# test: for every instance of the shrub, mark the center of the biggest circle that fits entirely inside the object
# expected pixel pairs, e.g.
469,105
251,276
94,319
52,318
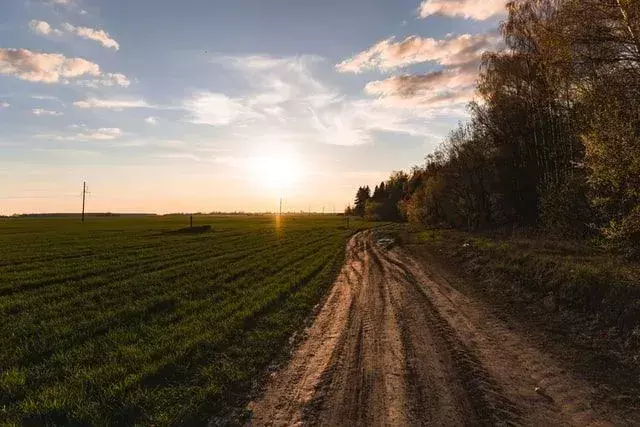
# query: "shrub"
565,209
624,235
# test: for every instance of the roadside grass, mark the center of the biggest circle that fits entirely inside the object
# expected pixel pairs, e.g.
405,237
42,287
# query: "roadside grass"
574,291
581,275
120,321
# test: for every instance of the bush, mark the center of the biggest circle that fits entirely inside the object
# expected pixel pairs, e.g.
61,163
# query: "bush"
565,209
624,235
372,211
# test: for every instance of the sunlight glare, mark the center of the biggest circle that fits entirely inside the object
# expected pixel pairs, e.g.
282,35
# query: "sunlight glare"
276,172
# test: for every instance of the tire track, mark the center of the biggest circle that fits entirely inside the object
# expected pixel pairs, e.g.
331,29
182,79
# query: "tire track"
395,346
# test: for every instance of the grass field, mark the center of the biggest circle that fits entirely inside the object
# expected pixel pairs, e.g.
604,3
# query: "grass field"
121,320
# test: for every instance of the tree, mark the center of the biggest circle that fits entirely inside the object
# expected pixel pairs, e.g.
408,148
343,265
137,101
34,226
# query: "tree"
362,196
371,210
554,142
605,39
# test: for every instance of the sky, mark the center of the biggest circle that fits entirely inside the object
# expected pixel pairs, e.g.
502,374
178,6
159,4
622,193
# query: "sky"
199,106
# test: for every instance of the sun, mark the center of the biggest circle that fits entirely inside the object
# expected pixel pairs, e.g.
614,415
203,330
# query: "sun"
278,172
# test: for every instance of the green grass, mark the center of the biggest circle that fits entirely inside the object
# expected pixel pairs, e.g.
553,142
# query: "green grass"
121,321
581,275
585,295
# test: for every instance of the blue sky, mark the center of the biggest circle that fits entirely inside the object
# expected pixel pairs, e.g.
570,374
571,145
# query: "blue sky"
167,106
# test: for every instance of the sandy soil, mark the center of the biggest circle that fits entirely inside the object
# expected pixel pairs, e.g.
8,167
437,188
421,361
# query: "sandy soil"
397,344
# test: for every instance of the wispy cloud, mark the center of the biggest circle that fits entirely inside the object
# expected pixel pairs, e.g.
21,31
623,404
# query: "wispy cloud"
49,67
287,102
69,4
44,97
113,104
100,134
106,80
4,104
43,27
468,9
216,109
151,120
389,54
445,90
440,89
411,84
94,34
43,112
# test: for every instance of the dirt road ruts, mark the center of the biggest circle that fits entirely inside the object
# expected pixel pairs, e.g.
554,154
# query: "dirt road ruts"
396,344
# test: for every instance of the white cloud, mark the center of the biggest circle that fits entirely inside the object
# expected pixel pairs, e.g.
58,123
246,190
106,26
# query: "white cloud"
44,97
407,85
98,35
277,81
44,67
356,122
388,54
151,120
435,102
5,104
100,134
468,9
95,34
43,27
106,80
216,109
55,68
445,88
113,104
288,103
43,112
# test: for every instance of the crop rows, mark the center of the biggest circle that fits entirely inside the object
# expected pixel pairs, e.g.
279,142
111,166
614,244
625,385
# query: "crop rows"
122,321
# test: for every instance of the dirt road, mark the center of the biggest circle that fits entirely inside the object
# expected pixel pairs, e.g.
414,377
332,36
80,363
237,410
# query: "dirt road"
396,344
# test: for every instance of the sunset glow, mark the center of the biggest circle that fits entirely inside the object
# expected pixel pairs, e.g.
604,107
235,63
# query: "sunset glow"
277,173
212,107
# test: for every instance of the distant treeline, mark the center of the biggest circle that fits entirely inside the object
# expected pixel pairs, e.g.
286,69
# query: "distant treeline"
111,214
553,141
68,215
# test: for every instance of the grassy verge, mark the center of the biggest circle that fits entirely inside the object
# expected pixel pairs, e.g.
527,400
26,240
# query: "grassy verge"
582,300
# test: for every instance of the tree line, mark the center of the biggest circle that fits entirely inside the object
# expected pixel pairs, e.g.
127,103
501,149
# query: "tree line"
553,140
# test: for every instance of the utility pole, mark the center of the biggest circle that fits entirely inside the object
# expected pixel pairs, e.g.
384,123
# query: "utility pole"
322,209
280,207
84,195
